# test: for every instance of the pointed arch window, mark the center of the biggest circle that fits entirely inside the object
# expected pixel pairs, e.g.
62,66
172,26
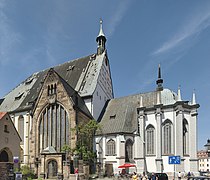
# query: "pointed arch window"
129,151
150,140
54,128
167,137
185,137
110,148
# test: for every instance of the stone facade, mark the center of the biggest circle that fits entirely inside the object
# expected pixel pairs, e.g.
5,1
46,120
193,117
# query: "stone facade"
9,146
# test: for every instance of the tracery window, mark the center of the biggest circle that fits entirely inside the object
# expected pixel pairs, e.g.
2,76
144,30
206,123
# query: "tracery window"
167,137
185,137
54,128
110,147
129,150
150,140
51,89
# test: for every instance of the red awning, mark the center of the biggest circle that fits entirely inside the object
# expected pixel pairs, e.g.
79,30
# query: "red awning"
127,165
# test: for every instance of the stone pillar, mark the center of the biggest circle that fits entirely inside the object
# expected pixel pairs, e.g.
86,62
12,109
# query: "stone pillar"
141,165
179,137
159,160
26,143
121,149
193,141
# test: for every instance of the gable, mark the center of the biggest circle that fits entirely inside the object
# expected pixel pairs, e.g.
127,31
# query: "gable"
55,89
6,120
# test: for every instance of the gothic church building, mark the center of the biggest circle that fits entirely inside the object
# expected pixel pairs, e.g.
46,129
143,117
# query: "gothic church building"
143,129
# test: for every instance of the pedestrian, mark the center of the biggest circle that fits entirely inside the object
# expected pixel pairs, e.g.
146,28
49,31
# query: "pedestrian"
179,175
76,172
153,176
188,175
134,177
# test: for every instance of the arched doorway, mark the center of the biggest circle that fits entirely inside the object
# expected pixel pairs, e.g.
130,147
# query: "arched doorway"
4,157
52,168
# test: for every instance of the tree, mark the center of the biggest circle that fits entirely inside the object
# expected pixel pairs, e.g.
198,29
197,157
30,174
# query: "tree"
84,146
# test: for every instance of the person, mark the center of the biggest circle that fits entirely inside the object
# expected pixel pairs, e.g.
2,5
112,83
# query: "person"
134,177
188,175
153,176
76,172
179,175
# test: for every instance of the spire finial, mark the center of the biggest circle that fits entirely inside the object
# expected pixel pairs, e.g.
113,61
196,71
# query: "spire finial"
159,82
101,39
193,98
141,102
179,98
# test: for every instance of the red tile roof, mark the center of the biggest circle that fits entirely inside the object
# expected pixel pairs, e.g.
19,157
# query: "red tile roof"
2,114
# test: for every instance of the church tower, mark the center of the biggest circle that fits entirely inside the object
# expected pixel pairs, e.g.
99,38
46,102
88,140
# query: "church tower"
159,82
101,40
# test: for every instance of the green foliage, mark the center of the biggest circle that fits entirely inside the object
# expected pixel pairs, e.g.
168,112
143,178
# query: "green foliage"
27,172
84,146
66,148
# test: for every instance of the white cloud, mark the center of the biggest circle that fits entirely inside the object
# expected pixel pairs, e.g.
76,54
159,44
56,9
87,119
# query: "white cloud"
117,17
194,25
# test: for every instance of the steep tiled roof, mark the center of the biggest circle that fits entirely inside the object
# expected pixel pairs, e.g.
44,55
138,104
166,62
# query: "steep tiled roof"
81,74
121,113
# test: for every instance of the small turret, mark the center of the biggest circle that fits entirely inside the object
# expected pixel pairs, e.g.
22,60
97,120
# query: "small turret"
101,40
179,97
159,82
193,102
208,147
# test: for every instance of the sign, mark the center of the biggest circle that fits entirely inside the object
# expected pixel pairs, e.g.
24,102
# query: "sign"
18,176
16,159
174,160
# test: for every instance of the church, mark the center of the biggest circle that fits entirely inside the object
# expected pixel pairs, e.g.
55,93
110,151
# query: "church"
49,104
147,129
142,129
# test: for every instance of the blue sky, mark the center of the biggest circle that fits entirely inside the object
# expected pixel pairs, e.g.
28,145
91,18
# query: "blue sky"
35,35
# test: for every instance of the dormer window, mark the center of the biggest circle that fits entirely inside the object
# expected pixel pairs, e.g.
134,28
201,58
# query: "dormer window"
19,96
51,89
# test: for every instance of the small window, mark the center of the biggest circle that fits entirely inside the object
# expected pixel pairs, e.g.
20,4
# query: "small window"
29,81
6,129
19,96
112,116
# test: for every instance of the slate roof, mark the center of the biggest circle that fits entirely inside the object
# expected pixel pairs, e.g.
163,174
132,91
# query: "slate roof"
121,113
81,74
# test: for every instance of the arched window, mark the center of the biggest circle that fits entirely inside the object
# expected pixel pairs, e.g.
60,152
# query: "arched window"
52,169
129,150
167,137
110,147
54,128
150,140
21,128
4,157
185,137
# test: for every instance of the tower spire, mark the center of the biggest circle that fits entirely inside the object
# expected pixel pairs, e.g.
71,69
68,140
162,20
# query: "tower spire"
101,39
159,82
